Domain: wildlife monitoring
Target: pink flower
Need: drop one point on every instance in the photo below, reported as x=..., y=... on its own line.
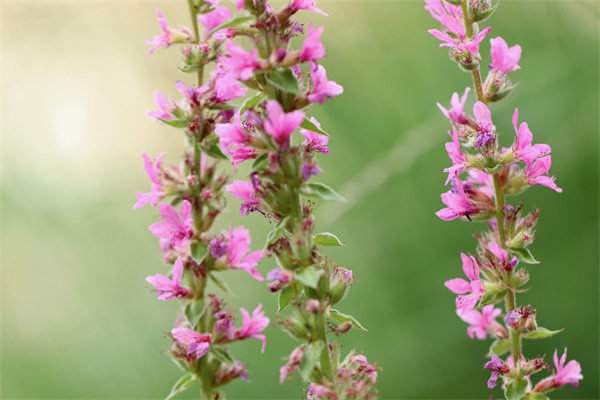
x=245, y=191
x=280, y=124
x=448, y=15
x=504, y=59
x=461, y=44
x=293, y=363
x=569, y=374
x=315, y=141
x=232, y=135
x=312, y=48
x=483, y=322
x=464, y=304
x=502, y=255
x=198, y=343
x=224, y=325
x=242, y=154
x=322, y=88
x=523, y=149
x=214, y=18
x=308, y=5
x=157, y=191
x=459, y=161
x=485, y=133
x=458, y=203
x=457, y=109
x=227, y=87
x=309, y=169
x=177, y=228
x=253, y=326
x=242, y=63
x=169, y=35
x=238, y=242
x=191, y=93
x=320, y=392
x=165, y=107
x=537, y=174
x=166, y=288
x=497, y=366
x=239, y=4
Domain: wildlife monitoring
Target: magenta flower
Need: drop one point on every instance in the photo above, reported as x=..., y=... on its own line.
x=214, y=18
x=238, y=243
x=176, y=228
x=242, y=154
x=464, y=304
x=308, y=5
x=458, y=203
x=523, y=149
x=537, y=174
x=447, y=14
x=242, y=63
x=169, y=35
x=198, y=343
x=504, y=59
x=320, y=392
x=459, y=160
x=166, y=288
x=483, y=322
x=165, y=107
x=309, y=169
x=232, y=135
x=253, y=326
x=245, y=191
x=461, y=44
x=227, y=87
x=157, y=190
x=191, y=93
x=322, y=88
x=502, y=255
x=280, y=124
x=485, y=133
x=569, y=374
x=239, y=4
x=497, y=366
x=312, y=48
x=224, y=325
x=315, y=141
x=457, y=109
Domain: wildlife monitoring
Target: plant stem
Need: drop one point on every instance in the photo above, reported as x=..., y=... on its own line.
x=499, y=194
x=469, y=32
x=514, y=336
x=194, y=14
x=326, y=364
x=478, y=85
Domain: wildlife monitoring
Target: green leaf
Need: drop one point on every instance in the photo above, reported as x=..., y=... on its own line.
x=525, y=256
x=327, y=239
x=276, y=232
x=309, y=276
x=252, y=101
x=541, y=333
x=260, y=162
x=193, y=311
x=285, y=296
x=321, y=191
x=308, y=124
x=182, y=384
x=215, y=152
x=499, y=347
x=221, y=284
x=486, y=14
x=311, y=355
x=234, y=22
x=189, y=68
x=222, y=355
x=341, y=317
x=283, y=79
x=535, y=396
x=199, y=250
x=175, y=123
x=515, y=389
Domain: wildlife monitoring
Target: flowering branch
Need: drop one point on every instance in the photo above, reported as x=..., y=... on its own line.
x=494, y=173
x=205, y=327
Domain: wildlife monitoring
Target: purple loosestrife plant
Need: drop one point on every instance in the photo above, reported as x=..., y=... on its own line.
x=483, y=174
x=285, y=82
x=190, y=196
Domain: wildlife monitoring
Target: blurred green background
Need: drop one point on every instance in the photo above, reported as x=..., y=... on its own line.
x=78, y=319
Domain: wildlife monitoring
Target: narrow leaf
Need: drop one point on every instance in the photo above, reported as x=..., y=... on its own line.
x=321, y=191
x=234, y=22
x=312, y=352
x=175, y=123
x=327, y=239
x=252, y=101
x=535, y=396
x=525, y=256
x=541, y=333
x=221, y=284
x=309, y=276
x=182, y=384
x=285, y=296
x=309, y=125
x=499, y=347
x=199, y=250
x=341, y=317
x=215, y=152
x=515, y=389
x=222, y=355
x=193, y=312
x=283, y=79
x=276, y=232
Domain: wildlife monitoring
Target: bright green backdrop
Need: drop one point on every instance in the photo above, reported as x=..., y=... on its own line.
x=78, y=320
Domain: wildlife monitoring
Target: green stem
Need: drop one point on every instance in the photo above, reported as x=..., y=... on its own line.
x=499, y=194
x=478, y=85
x=514, y=336
x=194, y=13
x=469, y=32
x=326, y=364
x=466, y=20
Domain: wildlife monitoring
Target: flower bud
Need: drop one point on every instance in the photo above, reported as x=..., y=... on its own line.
x=496, y=87
x=340, y=281
x=481, y=9
x=313, y=306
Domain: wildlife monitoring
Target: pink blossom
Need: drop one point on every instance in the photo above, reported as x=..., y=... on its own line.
x=312, y=48
x=483, y=322
x=457, y=109
x=253, y=326
x=485, y=132
x=177, y=228
x=523, y=149
x=322, y=88
x=214, y=18
x=191, y=93
x=459, y=160
x=502, y=255
x=309, y=169
x=569, y=374
x=308, y=5
x=242, y=154
x=240, y=4
x=537, y=174
x=504, y=59
x=464, y=304
x=157, y=189
x=458, y=203
x=165, y=107
x=227, y=87
x=224, y=325
x=242, y=63
x=497, y=366
x=461, y=44
x=198, y=343
x=166, y=288
x=245, y=191
x=320, y=392
x=238, y=242
x=315, y=141
x=280, y=124
x=293, y=363
x=232, y=135
x=169, y=35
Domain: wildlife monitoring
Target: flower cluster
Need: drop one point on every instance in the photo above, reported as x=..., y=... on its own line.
x=483, y=173
x=190, y=196
x=286, y=81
